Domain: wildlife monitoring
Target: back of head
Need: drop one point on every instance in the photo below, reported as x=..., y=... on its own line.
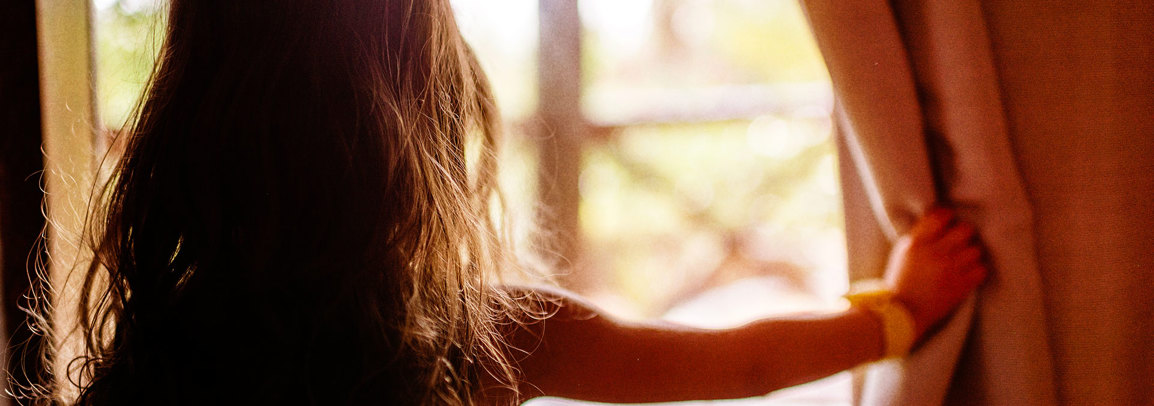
x=294, y=219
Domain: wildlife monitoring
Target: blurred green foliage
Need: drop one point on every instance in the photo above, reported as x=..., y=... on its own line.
x=664, y=206
x=128, y=34
x=667, y=208
x=700, y=43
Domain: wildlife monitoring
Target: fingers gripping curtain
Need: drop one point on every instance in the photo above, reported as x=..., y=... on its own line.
x=920, y=121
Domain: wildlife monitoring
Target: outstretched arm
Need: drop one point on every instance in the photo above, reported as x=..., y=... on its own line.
x=582, y=353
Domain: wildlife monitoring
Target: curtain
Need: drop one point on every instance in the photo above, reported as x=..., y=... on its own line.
x=1036, y=120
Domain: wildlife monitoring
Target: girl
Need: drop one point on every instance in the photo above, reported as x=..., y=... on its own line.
x=296, y=221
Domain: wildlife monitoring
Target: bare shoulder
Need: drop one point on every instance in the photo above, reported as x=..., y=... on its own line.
x=532, y=312
x=550, y=303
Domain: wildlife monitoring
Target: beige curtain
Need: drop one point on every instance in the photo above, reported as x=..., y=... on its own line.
x=1036, y=120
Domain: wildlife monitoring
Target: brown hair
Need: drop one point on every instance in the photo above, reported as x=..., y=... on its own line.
x=296, y=219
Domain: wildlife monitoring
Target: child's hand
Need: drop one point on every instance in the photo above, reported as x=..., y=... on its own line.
x=936, y=266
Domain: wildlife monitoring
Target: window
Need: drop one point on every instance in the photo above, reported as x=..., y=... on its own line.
x=691, y=175
x=706, y=191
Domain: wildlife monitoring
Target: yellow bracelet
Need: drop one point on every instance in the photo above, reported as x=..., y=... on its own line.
x=897, y=323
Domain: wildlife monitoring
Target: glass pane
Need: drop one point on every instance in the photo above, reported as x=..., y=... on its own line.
x=714, y=200
x=675, y=54
x=128, y=34
x=720, y=166
x=504, y=37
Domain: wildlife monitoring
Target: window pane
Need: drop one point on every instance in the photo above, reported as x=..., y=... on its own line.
x=504, y=37
x=128, y=33
x=648, y=49
x=719, y=166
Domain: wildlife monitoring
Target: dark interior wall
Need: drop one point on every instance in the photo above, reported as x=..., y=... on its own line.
x=21, y=162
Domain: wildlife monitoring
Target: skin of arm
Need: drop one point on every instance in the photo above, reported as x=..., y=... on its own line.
x=581, y=353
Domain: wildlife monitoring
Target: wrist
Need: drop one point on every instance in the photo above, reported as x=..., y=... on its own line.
x=919, y=323
x=898, y=328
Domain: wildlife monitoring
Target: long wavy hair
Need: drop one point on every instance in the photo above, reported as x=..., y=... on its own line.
x=302, y=214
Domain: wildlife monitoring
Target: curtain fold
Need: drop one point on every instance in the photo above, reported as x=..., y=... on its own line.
x=921, y=117
x=1077, y=82
x=871, y=78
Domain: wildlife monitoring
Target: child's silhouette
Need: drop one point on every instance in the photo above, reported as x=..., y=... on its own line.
x=295, y=220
